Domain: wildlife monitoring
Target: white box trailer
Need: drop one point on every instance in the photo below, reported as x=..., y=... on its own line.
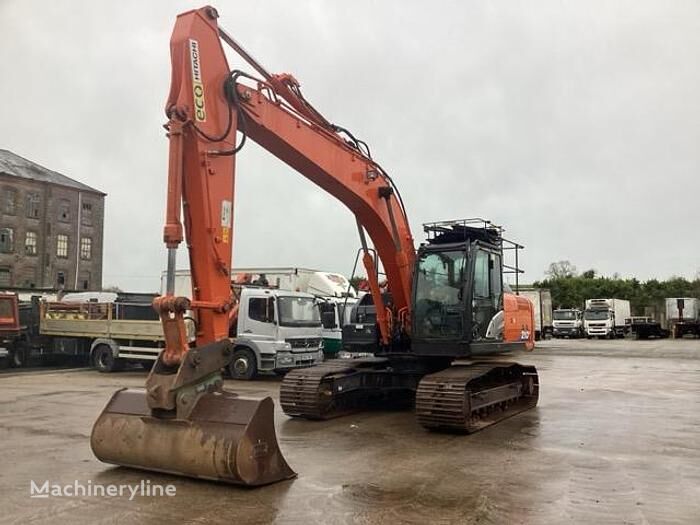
x=315, y=282
x=541, y=299
x=606, y=317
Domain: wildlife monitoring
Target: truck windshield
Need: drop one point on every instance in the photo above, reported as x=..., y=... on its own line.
x=564, y=315
x=596, y=315
x=439, y=294
x=298, y=311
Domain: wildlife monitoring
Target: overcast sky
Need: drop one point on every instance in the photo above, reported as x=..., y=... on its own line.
x=575, y=124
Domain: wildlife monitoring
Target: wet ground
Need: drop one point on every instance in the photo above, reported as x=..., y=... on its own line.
x=615, y=439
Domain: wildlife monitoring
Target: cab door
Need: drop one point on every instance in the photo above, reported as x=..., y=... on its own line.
x=487, y=290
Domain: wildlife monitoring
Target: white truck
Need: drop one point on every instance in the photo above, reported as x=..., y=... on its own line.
x=606, y=317
x=567, y=322
x=335, y=293
x=541, y=299
x=276, y=331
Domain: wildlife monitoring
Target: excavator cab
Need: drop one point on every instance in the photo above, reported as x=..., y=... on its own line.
x=458, y=293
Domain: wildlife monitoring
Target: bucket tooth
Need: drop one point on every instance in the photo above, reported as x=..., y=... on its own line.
x=226, y=438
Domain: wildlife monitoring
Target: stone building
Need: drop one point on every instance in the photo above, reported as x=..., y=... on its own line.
x=51, y=228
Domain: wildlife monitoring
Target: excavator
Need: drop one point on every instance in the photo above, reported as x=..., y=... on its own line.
x=435, y=329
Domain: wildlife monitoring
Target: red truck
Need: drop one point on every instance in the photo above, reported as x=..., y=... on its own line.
x=9, y=326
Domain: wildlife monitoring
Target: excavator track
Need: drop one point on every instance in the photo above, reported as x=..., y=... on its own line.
x=467, y=398
x=344, y=386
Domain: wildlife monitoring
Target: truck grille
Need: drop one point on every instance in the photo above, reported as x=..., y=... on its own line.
x=304, y=343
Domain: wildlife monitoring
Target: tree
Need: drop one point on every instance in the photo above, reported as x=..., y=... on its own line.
x=561, y=270
x=588, y=274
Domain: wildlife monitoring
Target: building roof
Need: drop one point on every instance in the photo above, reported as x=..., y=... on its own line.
x=15, y=166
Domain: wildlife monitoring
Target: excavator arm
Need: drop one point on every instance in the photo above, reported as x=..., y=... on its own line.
x=207, y=105
x=200, y=183
x=321, y=155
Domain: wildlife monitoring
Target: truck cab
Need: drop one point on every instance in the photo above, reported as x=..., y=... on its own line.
x=335, y=312
x=9, y=325
x=276, y=331
x=599, y=322
x=567, y=322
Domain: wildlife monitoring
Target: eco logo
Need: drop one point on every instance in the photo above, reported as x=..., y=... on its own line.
x=197, y=86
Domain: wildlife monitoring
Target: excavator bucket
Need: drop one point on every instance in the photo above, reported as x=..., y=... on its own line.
x=225, y=438
x=185, y=423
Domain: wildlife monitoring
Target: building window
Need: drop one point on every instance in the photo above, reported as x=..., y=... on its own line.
x=5, y=277
x=62, y=246
x=9, y=201
x=33, y=203
x=86, y=248
x=30, y=243
x=64, y=210
x=85, y=280
x=60, y=279
x=29, y=277
x=86, y=214
x=7, y=240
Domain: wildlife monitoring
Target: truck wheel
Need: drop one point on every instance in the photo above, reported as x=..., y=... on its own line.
x=243, y=365
x=103, y=359
x=18, y=357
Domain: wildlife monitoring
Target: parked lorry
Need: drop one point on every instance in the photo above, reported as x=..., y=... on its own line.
x=567, y=322
x=683, y=316
x=606, y=317
x=337, y=296
x=276, y=331
x=107, y=334
x=541, y=299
